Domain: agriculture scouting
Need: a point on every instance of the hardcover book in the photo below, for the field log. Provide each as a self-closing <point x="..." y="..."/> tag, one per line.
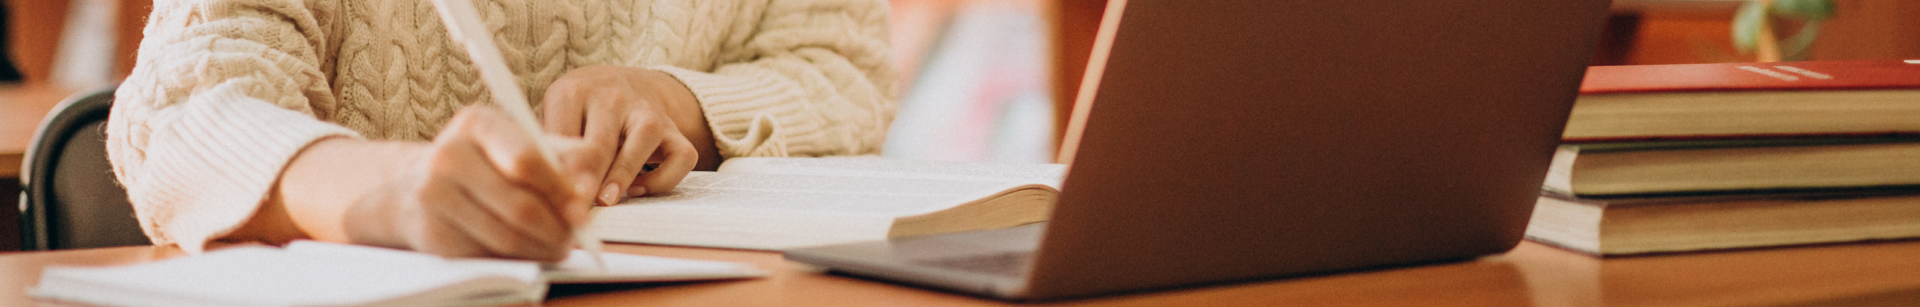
<point x="1733" y="166"/>
<point x="1747" y="100"/>
<point x="1625" y="226"/>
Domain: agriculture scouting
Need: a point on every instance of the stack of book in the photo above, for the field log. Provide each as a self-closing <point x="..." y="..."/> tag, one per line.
<point x="1670" y="158"/>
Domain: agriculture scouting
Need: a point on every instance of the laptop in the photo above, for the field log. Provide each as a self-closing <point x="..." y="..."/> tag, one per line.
<point x="1220" y="141"/>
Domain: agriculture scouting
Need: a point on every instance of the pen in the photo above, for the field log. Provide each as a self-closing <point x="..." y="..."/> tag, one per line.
<point x="464" y="26"/>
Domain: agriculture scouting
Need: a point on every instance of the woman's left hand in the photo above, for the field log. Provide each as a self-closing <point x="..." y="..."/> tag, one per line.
<point x="629" y="118"/>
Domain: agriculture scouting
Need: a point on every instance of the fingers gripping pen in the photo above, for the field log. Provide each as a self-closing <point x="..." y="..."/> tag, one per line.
<point x="464" y="26"/>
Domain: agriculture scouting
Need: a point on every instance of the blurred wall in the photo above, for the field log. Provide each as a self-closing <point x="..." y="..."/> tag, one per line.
<point x="1699" y="31"/>
<point x="35" y="27"/>
<point x="33" y="33"/>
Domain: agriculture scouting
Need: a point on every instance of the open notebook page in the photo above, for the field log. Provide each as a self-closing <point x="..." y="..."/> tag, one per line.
<point x="307" y="273"/>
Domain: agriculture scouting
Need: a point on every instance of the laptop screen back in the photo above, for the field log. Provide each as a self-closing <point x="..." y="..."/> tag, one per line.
<point x="1231" y="140"/>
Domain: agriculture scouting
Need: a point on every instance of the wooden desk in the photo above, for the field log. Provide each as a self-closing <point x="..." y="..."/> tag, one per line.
<point x="1531" y="275"/>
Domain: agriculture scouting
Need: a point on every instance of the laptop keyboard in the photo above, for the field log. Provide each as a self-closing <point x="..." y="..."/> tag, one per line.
<point x="1010" y="264"/>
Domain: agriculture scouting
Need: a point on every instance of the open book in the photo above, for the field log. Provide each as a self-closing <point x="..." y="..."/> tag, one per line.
<point x="307" y="273"/>
<point x="782" y="203"/>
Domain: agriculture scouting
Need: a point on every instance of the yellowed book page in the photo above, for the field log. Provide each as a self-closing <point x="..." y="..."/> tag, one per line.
<point x="775" y="211"/>
<point x="1048" y="174"/>
<point x="1747" y="168"/>
<point x="1761" y="222"/>
<point x="1560" y="172"/>
<point x="579" y="267"/>
<point x="850" y="195"/>
<point x="1566" y="223"/>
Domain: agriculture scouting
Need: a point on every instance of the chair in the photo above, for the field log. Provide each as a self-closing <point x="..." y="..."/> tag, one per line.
<point x="70" y="197"/>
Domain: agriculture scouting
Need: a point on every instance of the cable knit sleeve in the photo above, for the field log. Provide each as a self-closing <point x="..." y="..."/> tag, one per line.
<point x="222" y="96"/>
<point x="800" y="78"/>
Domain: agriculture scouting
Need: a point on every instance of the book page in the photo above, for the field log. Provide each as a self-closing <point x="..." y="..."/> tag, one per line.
<point x="1560" y="171"/>
<point x="817" y="194"/>
<point x="867" y="166"/>
<point x="579" y="268"/>
<point x="267" y="276"/>
<point x="310" y="273"/>
<point x="776" y="211"/>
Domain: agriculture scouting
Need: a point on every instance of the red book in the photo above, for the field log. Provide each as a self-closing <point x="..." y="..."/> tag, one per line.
<point x="1831" y="75"/>
<point x="1747" y="100"/>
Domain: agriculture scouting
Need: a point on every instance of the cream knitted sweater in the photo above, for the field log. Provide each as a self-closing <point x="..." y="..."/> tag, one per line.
<point x="225" y="92"/>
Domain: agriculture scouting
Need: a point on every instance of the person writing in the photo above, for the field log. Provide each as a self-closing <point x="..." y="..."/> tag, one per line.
<point x="362" y="122"/>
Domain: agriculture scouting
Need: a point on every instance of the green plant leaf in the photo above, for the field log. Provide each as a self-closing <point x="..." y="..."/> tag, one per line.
<point x="1810" y="10"/>
<point x="1746" y="26"/>
<point x="1795" y="48"/>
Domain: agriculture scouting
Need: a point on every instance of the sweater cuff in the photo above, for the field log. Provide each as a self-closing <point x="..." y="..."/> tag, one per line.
<point x="214" y="160"/>
<point x="751" y="116"/>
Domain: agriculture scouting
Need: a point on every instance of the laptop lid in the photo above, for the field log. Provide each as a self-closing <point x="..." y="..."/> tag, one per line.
<point x="1230" y="140"/>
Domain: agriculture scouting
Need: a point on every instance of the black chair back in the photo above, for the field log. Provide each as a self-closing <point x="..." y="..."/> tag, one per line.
<point x="70" y="198"/>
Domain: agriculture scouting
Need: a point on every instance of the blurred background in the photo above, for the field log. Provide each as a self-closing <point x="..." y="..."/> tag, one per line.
<point x="988" y="80"/>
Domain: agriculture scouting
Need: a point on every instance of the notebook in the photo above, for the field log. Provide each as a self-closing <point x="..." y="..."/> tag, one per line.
<point x="1219" y="141"/>
<point x="308" y="273"/>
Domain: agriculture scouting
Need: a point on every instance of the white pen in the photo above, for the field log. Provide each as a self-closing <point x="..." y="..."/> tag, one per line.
<point x="464" y="26"/>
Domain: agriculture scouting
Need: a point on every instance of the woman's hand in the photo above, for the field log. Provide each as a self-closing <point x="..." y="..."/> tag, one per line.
<point x="629" y="118"/>
<point x="481" y="188"/>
